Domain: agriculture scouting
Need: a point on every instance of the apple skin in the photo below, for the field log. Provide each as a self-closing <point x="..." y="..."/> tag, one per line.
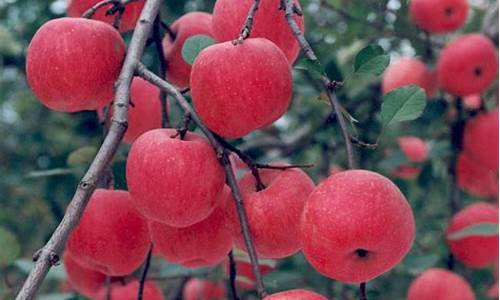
<point x="356" y="225"/>
<point x="407" y="71"/>
<point x="439" y="16"/>
<point x="197" y="289"/>
<point x="475" y="251"/>
<point x="475" y="178"/>
<point x="240" y="88"/>
<point x="298" y="294"/>
<point x="229" y="16"/>
<point x="414" y="148"/>
<point x="480" y="140"/>
<point x="406" y="171"/>
<point x="85" y="281"/>
<point x="174" y="181"/>
<point x="188" y="25"/>
<point x="203" y="244"/>
<point x="273" y="213"/>
<point x="76" y="8"/>
<point x="67" y="78"/>
<point x="131" y="290"/>
<point x="112" y="236"/>
<point x="145" y="114"/>
<point x="467" y="65"/>
<point x="440" y="284"/>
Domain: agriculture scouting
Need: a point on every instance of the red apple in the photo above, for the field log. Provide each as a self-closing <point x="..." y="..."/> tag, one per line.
<point x="131" y="290"/>
<point x="472" y="102"/>
<point x="467" y="65"/>
<point x="474" y="251"/>
<point x="76" y="8"/>
<point x="229" y="16"/>
<point x="197" y="289"/>
<point x="475" y="178"/>
<point x="439" y="16"/>
<point x="407" y="71"/>
<point x="174" y="181"/>
<point x="145" y="112"/>
<point x="440" y="284"/>
<point x="69" y="75"/>
<point x="274" y="213"/>
<point x="297" y="294"/>
<point x="240" y="88"/>
<point x="85" y="281"/>
<point x="414" y="148"/>
<point x="480" y="140"/>
<point x="356" y="226"/>
<point x="203" y="244"/>
<point x="112" y="236"/>
<point x="188" y="25"/>
<point x="406" y="172"/>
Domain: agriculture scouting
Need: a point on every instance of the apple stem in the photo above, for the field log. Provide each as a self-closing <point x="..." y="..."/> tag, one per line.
<point x="232" y="293"/>
<point x="246" y="29"/>
<point x="144" y="275"/>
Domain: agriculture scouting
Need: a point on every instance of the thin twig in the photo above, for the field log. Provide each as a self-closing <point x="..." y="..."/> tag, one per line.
<point x="176" y="293"/>
<point x="49" y="255"/>
<point x="362" y="291"/>
<point x="144" y="275"/>
<point x="232" y="293"/>
<point x="223" y="156"/>
<point x="246" y="29"/>
<point x="89" y="13"/>
<point x="157" y="38"/>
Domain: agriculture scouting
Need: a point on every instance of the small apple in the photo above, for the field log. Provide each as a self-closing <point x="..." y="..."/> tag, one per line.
<point x="439" y="16"/>
<point x="298" y="294"/>
<point x="85" y="281"/>
<point x="475" y="178"/>
<point x="407" y="71"/>
<point x="131" y="290"/>
<point x="198" y="289"/>
<point x="414" y="148"/>
<point x="440" y="284"/>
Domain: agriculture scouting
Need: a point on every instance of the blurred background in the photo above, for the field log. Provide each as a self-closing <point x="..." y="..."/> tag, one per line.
<point x="44" y="153"/>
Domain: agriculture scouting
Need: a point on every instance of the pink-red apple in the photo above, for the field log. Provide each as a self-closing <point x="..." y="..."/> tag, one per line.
<point x="480" y="140"/>
<point x="439" y="16"/>
<point x="76" y="8"/>
<point x="475" y="178"/>
<point x="131" y="290"/>
<point x="274" y="212"/>
<point x="174" y="181"/>
<point x="112" y="236"/>
<point x="188" y="25"/>
<point x="229" y="16"/>
<point x="467" y="65"/>
<point x="414" y="148"/>
<point x="440" y="284"/>
<point x="198" y="289"/>
<point x="297" y="294"/>
<point x="474" y="251"/>
<point x="356" y="226"/>
<point x="69" y="75"/>
<point x="407" y="71"/>
<point x="406" y="171"/>
<point x="85" y="281"/>
<point x="240" y="88"/>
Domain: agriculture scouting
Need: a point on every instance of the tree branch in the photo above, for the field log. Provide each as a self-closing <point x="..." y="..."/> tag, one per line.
<point x="231" y="285"/>
<point x="246" y="30"/>
<point x="50" y="253"/>
<point x="157" y="38"/>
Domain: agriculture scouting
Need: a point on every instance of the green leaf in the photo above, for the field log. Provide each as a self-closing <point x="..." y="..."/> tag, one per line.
<point x="48" y="173"/>
<point x="312" y="66"/>
<point x="417" y="264"/>
<point x="481" y="229"/>
<point x="371" y="60"/>
<point x="193" y="46"/>
<point x="391" y="162"/>
<point x="10" y="248"/>
<point x="81" y="156"/>
<point x="403" y="104"/>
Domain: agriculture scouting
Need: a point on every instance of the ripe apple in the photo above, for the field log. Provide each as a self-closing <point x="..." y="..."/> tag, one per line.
<point x="144" y="113"/>
<point x="475" y="178"/>
<point x="439" y="16"/>
<point x="197" y="289"/>
<point x="85" y="281"/>
<point x="356" y="225"/>
<point x="467" y="65"/>
<point x="274" y="213"/>
<point x="229" y="16"/>
<point x="407" y="71"/>
<point x="131" y="290"/>
<point x="69" y="75"/>
<point x="414" y="148"/>
<point x="440" y="284"/>
<point x="112" y="236"/>
<point x="480" y="140"/>
<point x="76" y="8"/>
<point x="200" y="245"/>
<point x="474" y="251"/>
<point x="240" y="88"/>
<point x="174" y="181"/>
<point x="298" y="294"/>
<point x="188" y="25"/>
<point x="406" y="171"/>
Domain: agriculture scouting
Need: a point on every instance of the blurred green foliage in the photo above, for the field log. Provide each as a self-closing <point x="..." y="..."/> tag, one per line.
<point x="43" y="153"/>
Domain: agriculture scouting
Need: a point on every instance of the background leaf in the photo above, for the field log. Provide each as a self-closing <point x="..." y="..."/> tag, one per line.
<point x="482" y="229"/>
<point x="9" y="247"/>
<point x="403" y="104"/>
<point x="193" y="46"/>
<point x="371" y="60"/>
